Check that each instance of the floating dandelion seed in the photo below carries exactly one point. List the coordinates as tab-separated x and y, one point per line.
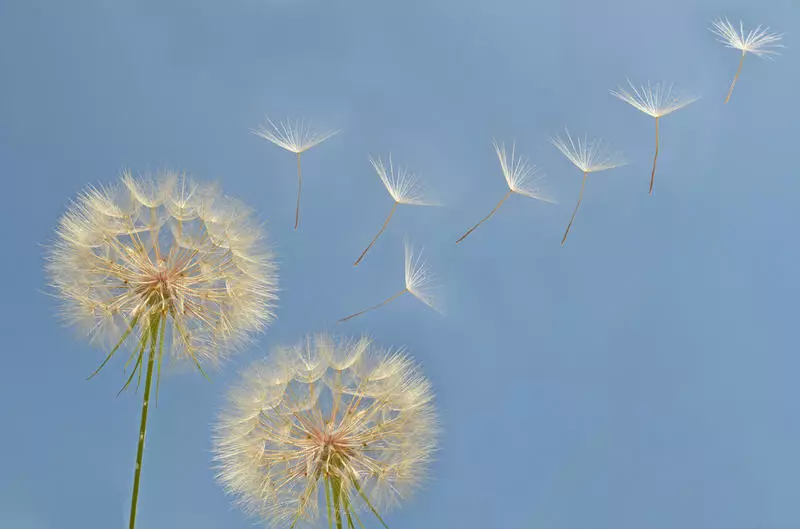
758	42
521	178
404	188
420	283
657	101
165	261
588	156
328	418
296	137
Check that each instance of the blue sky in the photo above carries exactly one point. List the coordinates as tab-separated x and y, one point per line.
642	376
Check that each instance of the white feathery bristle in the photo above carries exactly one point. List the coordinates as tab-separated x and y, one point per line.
420	281
403	185
758	41
295	136
522	177
587	155
655	100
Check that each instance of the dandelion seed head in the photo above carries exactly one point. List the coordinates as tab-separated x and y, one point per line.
325	410
404	186
420	281
163	246
522	177
590	156
758	41
655	100
295	136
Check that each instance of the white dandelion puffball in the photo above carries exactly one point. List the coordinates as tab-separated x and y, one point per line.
327	425
163	249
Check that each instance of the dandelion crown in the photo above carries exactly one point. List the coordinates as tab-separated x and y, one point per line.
166	251
334	419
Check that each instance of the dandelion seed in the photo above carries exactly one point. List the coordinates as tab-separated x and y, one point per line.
758	41
521	177
657	101
419	282
404	188
296	137
588	156
167	261
336	419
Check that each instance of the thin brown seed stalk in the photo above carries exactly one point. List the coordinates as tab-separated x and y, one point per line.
653	174
580	197
484	219
385	223
379	305
299	189
735	77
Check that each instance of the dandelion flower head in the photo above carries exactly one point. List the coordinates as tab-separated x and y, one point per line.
163	249
329	421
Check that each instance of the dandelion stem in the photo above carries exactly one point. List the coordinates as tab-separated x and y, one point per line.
653	174
381	304
385	223
735	77
160	353
580	197
486	217
299	189
337	501
154	330
328	488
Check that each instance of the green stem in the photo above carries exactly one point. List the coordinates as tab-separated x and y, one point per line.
160	354
154	330
337	501
328	487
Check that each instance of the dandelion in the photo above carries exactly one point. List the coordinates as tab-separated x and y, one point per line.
758	42
404	188
521	178
656	101
420	283
296	137
588	156
339	419
149	263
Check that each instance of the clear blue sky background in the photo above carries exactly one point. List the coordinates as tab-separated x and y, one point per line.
643	376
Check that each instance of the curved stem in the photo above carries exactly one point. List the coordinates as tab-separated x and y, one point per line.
735	77
154	330
580	197
653	174
484	219
385	223
381	304
299	189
